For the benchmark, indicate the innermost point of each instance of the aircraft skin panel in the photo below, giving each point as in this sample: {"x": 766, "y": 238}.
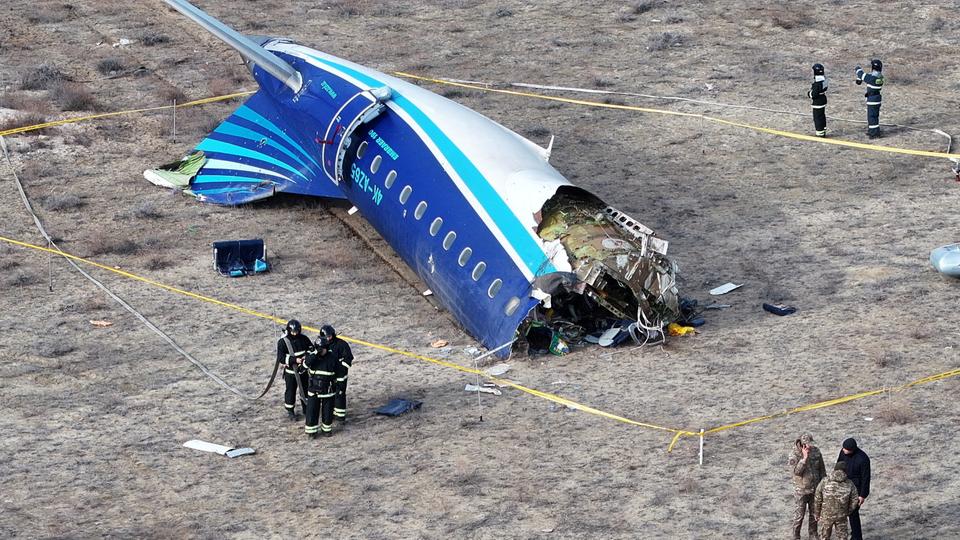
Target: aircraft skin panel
{"x": 519, "y": 236}
{"x": 252, "y": 154}
{"x": 457, "y": 195}
{"x": 397, "y": 222}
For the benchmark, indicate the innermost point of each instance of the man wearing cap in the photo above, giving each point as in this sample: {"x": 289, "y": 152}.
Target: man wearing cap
{"x": 857, "y": 466}
{"x": 834, "y": 500}
{"x": 806, "y": 466}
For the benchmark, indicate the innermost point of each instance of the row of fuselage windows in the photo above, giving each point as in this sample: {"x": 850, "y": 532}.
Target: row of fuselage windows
{"x": 448, "y": 239}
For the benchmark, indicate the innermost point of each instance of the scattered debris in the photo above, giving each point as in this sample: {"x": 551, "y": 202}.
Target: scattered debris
{"x": 779, "y": 309}
{"x": 352, "y": 210}
{"x": 101, "y": 324}
{"x": 427, "y": 292}
{"x": 236, "y": 258}
{"x": 675, "y": 329}
{"x": 946, "y": 260}
{"x": 724, "y": 289}
{"x": 868, "y": 418}
{"x": 122, "y": 43}
{"x": 439, "y": 343}
{"x": 398, "y": 406}
{"x": 177, "y": 175}
{"x": 716, "y": 306}
{"x": 472, "y": 351}
{"x": 484, "y": 389}
{"x": 228, "y": 451}
{"x": 497, "y": 370}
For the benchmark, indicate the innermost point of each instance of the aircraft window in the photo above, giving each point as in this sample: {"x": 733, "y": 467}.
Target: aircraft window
{"x": 421, "y": 210}
{"x": 375, "y": 166}
{"x": 494, "y": 287}
{"x": 362, "y": 150}
{"x": 465, "y": 256}
{"x": 512, "y": 306}
{"x": 478, "y": 270}
{"x": 448, "y": 240}
{"x": 405, "y": 194}
{"x": 391, "y": 177}
{"x": 435, "y": 226}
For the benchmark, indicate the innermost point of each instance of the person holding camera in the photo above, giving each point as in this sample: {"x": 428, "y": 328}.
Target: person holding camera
{"x": 807, "y": 468}
{"x": 874, "y": 82}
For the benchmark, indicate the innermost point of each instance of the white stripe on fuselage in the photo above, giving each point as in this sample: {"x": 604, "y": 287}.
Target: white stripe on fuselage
{"x": 235, "y": 166}
{"x": 492, "y": 226}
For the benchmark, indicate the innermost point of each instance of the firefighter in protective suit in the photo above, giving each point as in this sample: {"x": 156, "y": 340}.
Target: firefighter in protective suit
{"x": 818, "y": 100}
{"x": 292, "y": 349}
{"x": 341, "y": 351}
{"x": 322, "y": 367}
{"x": 874, "y": 82}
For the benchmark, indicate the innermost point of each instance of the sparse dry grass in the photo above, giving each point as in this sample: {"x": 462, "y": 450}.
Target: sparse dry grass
{"x": 23, "y": 120}
{"x": 102, "y": 243}
{"x": 74, "y": 97}
{"x": 45, "y": 77}
{"x": 895, "y": 411}
{"x": 64, "y": 201}
{"x": 109, "y": 66}
{"x": 147, "y": 210}
{"x": 151, "y": 39}
{"x": 664, "y": 40}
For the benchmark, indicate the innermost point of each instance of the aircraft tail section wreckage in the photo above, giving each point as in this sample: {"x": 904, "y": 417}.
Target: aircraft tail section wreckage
{"x": 502, "y": 239}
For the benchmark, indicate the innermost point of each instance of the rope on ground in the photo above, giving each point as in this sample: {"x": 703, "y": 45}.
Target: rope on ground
{"x": 56, "y": 250}
{"x": 690, "y": 100}
{"x": 77, "y": 119}
{"x": 777, "y": 132}
{"x": 544, "y": 395}
{"x": 677, "y": 433}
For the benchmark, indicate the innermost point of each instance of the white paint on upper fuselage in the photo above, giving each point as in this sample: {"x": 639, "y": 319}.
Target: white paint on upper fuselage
{"x": 514, "y": 167}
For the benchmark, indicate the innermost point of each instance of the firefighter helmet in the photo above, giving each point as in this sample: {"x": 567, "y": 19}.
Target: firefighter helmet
{"x": 328, "y": 332}
{"x": 818, "y": 69}
{"x": 876, "y": 65}
{"x": 293, "y": 326}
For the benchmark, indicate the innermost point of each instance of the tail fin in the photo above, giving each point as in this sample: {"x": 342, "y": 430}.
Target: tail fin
{"x": 252, "y": 155}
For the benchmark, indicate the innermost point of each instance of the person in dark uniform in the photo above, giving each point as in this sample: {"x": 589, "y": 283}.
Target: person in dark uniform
{"x": 291, "y": 350}
{"x": 858, "y": 471}
{"x": 341, "y": 351}
{"x": 322, "y": 367}
{"x": 818, "y": 100}
{"x": 874, "y": 82}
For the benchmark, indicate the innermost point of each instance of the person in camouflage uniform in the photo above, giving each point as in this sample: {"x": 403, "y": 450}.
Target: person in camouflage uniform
{"x": 806, "y": 466}
{"x": 834, "y": 500}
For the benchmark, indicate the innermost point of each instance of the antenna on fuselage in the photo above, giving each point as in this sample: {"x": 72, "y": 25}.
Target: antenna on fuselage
{"x": 270, "y": 62}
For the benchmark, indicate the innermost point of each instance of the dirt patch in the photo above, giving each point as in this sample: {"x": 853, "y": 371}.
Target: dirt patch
{"x": 94, "y": 418}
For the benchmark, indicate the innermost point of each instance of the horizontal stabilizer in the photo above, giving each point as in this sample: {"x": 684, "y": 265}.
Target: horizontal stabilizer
{"x": 250, "y": 156}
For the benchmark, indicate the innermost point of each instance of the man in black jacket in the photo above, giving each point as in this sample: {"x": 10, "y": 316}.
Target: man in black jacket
{"x": 291, "y": 351}
{"x": 858, "y": 471}
{"x": 818, "y": 100}
{"x": 341, "y": 351}
{"x": 874, "y": 81}
{"x": 323, "y": 367}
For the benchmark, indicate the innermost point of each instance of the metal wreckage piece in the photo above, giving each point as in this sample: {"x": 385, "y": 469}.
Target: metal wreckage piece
{"x": 616, "y": 273}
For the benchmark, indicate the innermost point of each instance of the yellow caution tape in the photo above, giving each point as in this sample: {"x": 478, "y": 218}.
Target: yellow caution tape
{"x": 544, "y": 395}
{"x": 677, "y": 433}
{"x": 778, "y": 132}
{"x": 77, "y": 119}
